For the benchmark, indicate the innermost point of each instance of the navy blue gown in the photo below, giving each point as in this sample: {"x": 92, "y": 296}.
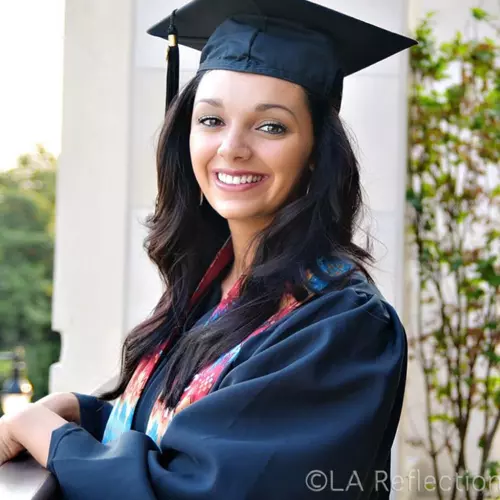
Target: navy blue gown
{"x": 309, "y": 409}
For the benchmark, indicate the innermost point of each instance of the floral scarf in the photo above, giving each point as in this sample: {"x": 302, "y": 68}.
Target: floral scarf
{"x": 122, "y": 414}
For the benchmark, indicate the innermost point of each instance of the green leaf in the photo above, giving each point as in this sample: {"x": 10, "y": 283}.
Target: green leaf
{"x": 493, "y": 357}
{"x": 441, "y": 417}
{"x": 456, "y": 263}
{"x": 493, "y": 468}
{"x": 479, "y": 483}
{"x": 479, "y": 14}
{"x": 428, "y": 190}
{"x": 414, "y": 200}
{"x": 487, "y": 271}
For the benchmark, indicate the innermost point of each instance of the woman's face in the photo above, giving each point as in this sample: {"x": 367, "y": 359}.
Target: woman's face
{"x": 251, "y": 139}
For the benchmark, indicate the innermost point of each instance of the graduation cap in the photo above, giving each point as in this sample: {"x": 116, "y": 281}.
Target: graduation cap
{"x": 295, "y": 40}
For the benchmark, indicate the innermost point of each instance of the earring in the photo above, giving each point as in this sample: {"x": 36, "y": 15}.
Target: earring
{"x": 201, "y": 197}
{"x": 311, "y": 168}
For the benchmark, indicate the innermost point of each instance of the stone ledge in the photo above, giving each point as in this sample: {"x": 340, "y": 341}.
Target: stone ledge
{"x": 24, "y": 479}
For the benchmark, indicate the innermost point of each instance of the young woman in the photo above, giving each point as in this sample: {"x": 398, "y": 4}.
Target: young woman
{"x": 271, "y": 367}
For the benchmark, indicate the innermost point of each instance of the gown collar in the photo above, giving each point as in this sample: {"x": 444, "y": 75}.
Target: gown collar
{"x": 331, "y": 266}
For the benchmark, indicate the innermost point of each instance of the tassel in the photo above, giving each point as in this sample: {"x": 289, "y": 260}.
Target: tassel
{"x": 173, "y": 63}
{"x": 338, "y": 87}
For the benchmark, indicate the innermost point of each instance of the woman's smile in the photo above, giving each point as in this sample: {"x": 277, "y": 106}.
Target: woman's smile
{"x": 238, "y": 180}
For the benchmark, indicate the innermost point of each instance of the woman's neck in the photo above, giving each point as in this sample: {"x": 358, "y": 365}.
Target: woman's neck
{"x": 242, "y": 237}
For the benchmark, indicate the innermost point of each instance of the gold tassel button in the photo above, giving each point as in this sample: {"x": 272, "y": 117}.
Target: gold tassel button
{"x": 172, "y": 40}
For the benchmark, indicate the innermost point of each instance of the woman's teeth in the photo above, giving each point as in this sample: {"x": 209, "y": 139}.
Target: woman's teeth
{"x": 243, "y": 179}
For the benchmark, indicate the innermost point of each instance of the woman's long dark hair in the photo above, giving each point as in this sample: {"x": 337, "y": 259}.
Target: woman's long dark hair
{"x": 184, "y": 237}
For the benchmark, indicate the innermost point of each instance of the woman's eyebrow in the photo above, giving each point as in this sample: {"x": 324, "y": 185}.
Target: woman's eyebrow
{"x": 213, "y": 102}
{"x": 260, "y": 107}
{"x": 266, "y": 106}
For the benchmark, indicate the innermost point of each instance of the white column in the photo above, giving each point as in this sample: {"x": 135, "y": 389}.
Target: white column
{"x": 92, "y": 223}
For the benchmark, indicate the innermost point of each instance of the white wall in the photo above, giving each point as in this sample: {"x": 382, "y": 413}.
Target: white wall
{"x": 452, "y": 15}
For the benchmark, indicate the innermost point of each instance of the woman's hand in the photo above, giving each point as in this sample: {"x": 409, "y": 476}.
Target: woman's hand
{"x": 30, "y": 428}
{"x": 9, "y": 446}
{"x": 64, "y": 404}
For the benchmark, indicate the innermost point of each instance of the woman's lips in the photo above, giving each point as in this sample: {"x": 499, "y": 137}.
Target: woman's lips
{"x": 238, "y": 187}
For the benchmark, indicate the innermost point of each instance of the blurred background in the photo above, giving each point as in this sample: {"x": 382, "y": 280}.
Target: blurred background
{"x": 31, "y": 88}
{"x": 81, "y": 103}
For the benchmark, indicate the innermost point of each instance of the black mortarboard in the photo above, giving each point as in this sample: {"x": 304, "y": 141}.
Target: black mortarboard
{"x": 295, "y": 40}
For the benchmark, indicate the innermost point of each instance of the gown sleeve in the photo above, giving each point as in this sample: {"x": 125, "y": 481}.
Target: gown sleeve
{"x": 321, "y": 394}
{"x": 94, "y": 414}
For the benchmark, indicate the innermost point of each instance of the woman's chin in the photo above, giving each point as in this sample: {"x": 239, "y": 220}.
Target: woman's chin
{"x": 237, "y": 213}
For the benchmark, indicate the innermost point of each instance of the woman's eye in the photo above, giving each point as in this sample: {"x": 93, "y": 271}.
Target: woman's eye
{"x": 273, "y": 128}
{"x": 210, "y": 121}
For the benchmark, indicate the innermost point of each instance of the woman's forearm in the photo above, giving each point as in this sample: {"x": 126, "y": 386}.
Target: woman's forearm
{"x": 33, "y": 428}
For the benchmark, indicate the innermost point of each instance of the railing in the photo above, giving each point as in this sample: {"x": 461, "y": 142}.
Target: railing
{"x": 24, "y": 479}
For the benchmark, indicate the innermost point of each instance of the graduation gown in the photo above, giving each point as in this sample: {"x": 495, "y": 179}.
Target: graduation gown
{"x": 308, "y": 409}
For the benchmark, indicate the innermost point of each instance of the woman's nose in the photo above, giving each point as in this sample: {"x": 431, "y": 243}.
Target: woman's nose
{"x": 234, "y": 147}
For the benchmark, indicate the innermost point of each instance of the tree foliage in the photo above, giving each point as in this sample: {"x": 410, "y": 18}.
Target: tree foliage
{"x": 453, "y": 196}
{"x": 27, "y": 211}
